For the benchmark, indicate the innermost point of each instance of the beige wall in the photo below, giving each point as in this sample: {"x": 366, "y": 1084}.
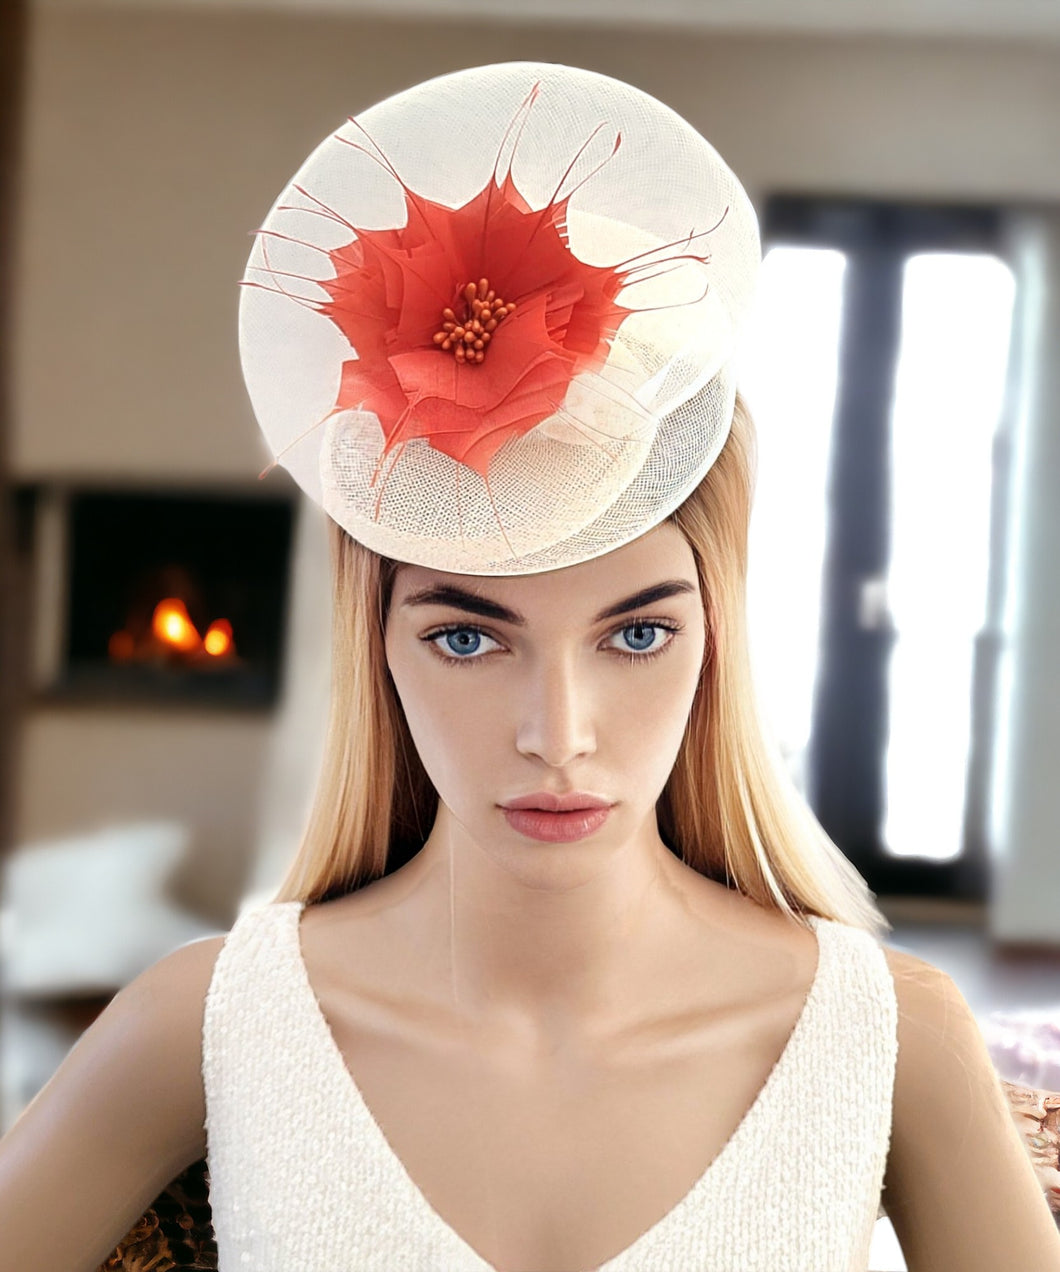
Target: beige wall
{"x": 82, "y": 769}
{"x": 155, "y": 144}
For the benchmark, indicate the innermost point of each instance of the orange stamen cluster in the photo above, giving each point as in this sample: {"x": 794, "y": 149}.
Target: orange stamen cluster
{"x": 467, "y": 337}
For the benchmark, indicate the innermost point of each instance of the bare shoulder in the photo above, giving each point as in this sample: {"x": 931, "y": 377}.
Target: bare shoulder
{"x": 146, "y": 1048}
{"x": 121, "y": 1117}
{"x": 176, "y": 985}
{"x": 155, "y": 1022}
{"x": 908, "y": 966}
{"x": 959, "y": 1187}
{"x": 939, "y": 1040}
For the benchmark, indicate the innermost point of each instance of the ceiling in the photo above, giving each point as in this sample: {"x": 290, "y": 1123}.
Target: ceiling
{"x": 982, "y": 19}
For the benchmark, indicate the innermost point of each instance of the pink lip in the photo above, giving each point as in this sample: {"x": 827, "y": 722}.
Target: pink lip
{"x": 557, "y": 828}
{"x": 548, "y": 803}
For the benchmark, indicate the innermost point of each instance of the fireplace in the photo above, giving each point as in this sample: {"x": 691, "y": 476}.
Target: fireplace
{"x": 160, "y": 596}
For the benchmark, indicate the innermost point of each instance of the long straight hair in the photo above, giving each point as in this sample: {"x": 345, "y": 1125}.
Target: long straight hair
{"x": 729, "y": 808}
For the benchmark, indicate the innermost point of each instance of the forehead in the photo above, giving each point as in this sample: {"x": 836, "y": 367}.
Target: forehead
{"x": 661, "y": 554}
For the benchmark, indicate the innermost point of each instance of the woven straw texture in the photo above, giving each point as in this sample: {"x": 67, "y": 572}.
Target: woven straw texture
{"x": 623, "y": 438}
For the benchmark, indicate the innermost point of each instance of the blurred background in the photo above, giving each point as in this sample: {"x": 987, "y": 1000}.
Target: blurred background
{"x": 165, "y": 613}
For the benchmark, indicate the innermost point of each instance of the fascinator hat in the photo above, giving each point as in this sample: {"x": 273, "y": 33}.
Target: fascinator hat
{"x": 490, "y": 323}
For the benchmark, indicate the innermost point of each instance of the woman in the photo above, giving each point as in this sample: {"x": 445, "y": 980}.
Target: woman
{"x": 564, "y": 975}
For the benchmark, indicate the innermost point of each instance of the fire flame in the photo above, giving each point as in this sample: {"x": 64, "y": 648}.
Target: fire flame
{"x": 175, "y": 633}
{"x": 218, "y": 638}
{"x": 171, "y": 624}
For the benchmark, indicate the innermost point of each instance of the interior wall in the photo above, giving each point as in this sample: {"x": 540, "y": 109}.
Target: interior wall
{"x": 154, "y": 144}
{"x": 13, "y": 31}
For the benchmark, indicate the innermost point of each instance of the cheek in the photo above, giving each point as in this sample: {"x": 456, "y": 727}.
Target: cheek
{"x": 649, "y": 719}
{"x": 448, "y": 719}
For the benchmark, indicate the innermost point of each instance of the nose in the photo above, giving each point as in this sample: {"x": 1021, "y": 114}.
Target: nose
{"x": 556, "y": 721}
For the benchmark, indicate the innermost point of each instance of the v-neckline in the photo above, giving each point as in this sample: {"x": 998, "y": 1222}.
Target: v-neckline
{"x": 744, "y": 1127}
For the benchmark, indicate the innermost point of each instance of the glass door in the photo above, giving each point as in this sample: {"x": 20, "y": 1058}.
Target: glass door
{"x": 876, "y": 374}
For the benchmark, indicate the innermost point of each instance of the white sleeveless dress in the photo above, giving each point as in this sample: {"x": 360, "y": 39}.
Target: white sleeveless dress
{"x": 302, "y": 1178}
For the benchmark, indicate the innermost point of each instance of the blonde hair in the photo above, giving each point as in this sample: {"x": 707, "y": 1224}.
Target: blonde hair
{"x": 729, "y": 808}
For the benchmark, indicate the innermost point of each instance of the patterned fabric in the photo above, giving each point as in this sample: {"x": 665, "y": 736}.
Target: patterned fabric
{"x": 175, "y": 1233}
{"x": 1037, "y": 1115}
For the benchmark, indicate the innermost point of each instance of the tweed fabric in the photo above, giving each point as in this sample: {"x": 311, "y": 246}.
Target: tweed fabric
{"x": 301, "y": 1175}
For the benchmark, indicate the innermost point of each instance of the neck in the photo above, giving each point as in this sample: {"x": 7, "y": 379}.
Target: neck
{"x": 556, "y": 939}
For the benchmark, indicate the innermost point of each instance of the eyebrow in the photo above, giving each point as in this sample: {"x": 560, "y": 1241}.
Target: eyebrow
{"x": 460, "y": 598}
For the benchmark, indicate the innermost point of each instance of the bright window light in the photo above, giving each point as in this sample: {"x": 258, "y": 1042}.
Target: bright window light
{"x": 788, "y": 376}
{"x": 956, "y": 319}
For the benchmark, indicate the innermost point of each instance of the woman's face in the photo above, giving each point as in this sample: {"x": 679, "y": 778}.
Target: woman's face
{"x": 576, "y": 680}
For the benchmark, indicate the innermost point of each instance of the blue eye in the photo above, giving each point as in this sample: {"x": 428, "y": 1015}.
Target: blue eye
{"x": 462, "y": 644}
{"x": 643, "y": 638}
{"x": 641, "y": 641}
{"x": 464, "y": 641}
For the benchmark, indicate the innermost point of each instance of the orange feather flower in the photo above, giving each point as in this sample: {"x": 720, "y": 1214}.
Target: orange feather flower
{"x": 470, "y": 323}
